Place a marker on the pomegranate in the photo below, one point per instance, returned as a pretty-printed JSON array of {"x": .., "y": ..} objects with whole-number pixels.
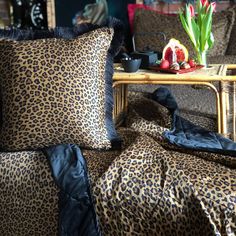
[{"x": 174, "y": 51}]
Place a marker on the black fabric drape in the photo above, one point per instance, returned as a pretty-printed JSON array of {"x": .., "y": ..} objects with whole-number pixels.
[
  {"x": 77, "y": 216},
  {"x": 185, "y": 134}
]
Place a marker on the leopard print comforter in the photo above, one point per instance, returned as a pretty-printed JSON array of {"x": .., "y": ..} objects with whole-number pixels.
[
  {"x": 148, "y": 188},
  {"x": 153, "y": 188}
]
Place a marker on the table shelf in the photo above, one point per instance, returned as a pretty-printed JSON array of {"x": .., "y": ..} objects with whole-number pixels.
[{"x": 225, "y": 92}]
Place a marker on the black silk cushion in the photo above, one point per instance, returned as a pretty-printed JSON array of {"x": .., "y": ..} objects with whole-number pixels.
[{"x": 57, "y": 91}]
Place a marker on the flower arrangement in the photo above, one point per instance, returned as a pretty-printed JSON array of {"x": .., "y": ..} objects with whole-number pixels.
[{"x": 198, "y": 26}]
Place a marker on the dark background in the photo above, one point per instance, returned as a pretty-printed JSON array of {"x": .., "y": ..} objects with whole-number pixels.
[{"x": 66, "y": 10}]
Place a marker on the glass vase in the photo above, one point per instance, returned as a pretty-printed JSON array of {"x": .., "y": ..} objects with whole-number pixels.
[{"x": 202, "y": 58}]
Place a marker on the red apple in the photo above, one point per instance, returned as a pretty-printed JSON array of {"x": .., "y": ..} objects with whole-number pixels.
[
  {"x": 164, "y": 64},
  {"x": 191, "y": 62}
]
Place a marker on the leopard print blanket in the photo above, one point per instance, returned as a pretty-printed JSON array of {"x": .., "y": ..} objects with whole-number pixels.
[{"x": 148, "y": 188}]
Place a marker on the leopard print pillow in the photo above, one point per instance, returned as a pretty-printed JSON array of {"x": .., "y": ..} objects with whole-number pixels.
[
  {"x": 148, "y": 21},
  {"x": 231, "y": 50},
  {"x": 54, "y": 91}
]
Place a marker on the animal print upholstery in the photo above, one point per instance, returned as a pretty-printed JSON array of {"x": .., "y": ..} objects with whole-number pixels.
[
  {"x": 54, "y": 91},
  {"x": 227, "y": 59},
  {"x": 143, "y": 119},
  {"x": 231, "y": 50},
  {"x": 148, "y": 188},
  {"x": 154, "y": 188},
  {"x": 147, "y": 21},
  {"x": 150, "y": 191},
  {"x": 29, "y": 196}
]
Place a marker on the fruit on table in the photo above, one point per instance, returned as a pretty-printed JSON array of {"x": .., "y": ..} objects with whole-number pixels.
[
  {"x": 174, "y": 51},
  {"x": 164, "y": 64},
  {"x": 192, "y": 63},
  {"x": 175, "y": 66},
  {"x": 184, "y": 65}
]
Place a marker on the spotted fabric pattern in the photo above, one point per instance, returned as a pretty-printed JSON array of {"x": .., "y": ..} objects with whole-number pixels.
[
  {"x": 154, "y": 188},
  {"x": 98, "y": 162},
  {"x": 143, "y": 119},
  {"x": 53, "y": 91},
  {"x": 29, "y": 196},
  {"x": 147, "y": 21},
  {"x": 231, "y": 50},
  {"x": 149, "y": 191},
  {"x": 227, "y": 59},
  {"x": 149, "y": 187}
]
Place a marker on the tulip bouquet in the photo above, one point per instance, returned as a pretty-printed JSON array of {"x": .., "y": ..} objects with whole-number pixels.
[{"x": 198, "y": 27}]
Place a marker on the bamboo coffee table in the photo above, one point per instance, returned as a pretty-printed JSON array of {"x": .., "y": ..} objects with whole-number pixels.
[{"x": 222, "y": 75}]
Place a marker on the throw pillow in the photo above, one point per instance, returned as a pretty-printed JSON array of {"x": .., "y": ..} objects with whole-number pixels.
[
  {"x": 131, "y": 12},
  {"x": 231, "y": 50},
  {"x": 67, "y": 33},
  {"x": 147, "y": 21},
  {"x": 55, "y": 91}
]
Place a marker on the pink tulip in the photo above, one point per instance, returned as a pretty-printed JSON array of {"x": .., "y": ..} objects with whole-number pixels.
[
  {"x": 191, "y": 9},
  {"x": 213, "y": 4},
  {"x": 205, "y": 3}
]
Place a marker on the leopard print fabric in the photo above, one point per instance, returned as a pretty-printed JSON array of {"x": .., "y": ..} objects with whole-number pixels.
[
  {"x": 231, "y": 50},
  {"x": 154, "y": 188},
  {"x": 53, "y": 91},
  {"x": 227, "y": 59},
  {"x": 147, "y": 21},
  {"x": 147, "y": 116},
  {"x": 99, "y": 161},
  {"x": 29, "y": 196},
  {"x": 148, "y": 190}
]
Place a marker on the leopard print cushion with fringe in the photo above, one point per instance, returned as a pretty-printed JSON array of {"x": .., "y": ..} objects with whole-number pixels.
[
  {"x": 54, "y": 91},
  {"x": 147, "y": 21}
]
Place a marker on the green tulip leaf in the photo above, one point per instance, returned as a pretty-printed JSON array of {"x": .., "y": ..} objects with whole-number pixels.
[{"x": 199, "y": 27}]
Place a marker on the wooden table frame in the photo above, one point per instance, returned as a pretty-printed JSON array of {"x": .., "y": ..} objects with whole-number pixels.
[
  {"x": 51, "y": 16},
  {"x": 122, "y": 79}
]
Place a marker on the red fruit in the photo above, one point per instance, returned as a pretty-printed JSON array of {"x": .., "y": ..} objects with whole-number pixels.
[
  {"x": 164, "y": 64},
  {"x": 174, "y": 51},
  {"x": 192, "y": 63}
]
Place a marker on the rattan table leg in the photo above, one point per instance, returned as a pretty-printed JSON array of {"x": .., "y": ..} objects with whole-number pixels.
[
  {"x": 120, "y": 94},
  {"x": 124, "y": 85},
  {"x": 223, "y": 112},
  {"x": 234, "y": 111}
]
